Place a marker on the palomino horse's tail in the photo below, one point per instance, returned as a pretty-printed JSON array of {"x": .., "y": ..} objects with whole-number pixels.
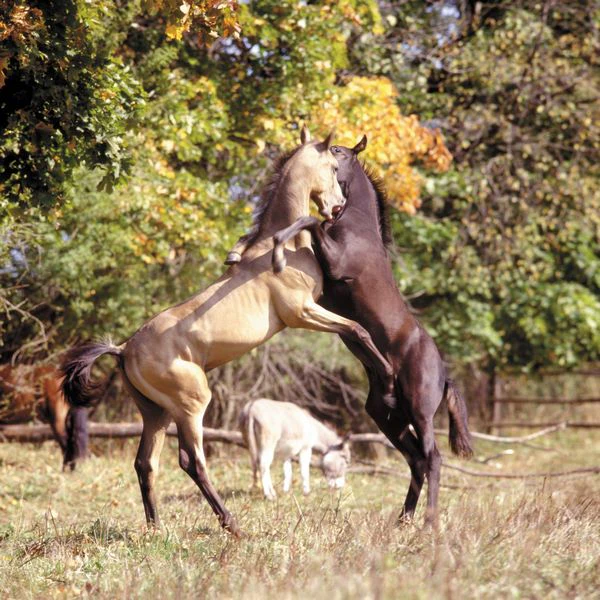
[
  {"x": 460, "y": 438},
  {"x": 80, "y": 392},
  {"x": 77, "y": 386}
]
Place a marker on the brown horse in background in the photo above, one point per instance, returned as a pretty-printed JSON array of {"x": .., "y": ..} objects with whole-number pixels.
[{"x": 33, "y": 392}]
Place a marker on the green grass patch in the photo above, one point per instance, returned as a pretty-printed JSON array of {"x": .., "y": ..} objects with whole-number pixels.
[{"x": 83, "y": 533}]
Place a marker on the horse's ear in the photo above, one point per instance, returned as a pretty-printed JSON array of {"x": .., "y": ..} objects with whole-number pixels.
[
  {"x": 361, "y": 145},
  {"x": 304, "y": 135},
  {"x": 329, "y": 139}
]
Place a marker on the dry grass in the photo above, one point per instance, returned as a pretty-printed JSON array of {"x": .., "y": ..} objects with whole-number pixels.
[{"x": 82, "y": 533}]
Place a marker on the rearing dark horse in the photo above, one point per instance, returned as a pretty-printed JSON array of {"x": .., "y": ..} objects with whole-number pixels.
[{"x": 359, "y": 285}]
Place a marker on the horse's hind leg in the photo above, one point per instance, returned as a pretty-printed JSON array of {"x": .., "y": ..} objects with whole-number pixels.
[
  {"x": 192, "y": 461},
  {"x": 416, "y": 461},
  {"x": 57, "y": 413},
  {"x": 433, "y": 464},
  {"x": 395, "y": 428},
  {"x": 315, "y": 317},
  {"x": 265, "y": 460},
  {"x": 156, "y": 420}
]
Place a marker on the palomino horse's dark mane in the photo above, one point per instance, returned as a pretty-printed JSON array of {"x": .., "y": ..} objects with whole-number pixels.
[
  {"x": 382, "y": 203},
  {"x": 267, "y": 194}
]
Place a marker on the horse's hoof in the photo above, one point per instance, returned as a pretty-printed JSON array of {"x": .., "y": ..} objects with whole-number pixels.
[
  {"x": 233, "y": 258},
  {"x": 404, "y": 519},
  {"x": 432, "y": 521},
  {"x": 235, "y": 531},
  {"x": 230, "y": 525}
]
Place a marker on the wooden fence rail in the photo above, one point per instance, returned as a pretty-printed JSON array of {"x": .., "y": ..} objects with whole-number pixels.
[
  {"x": 40, "y": 433},
  {"x": 511, "y": 400},
  {"x": 569, "y": 424}
]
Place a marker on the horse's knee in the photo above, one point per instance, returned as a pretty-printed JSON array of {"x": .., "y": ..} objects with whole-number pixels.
[
  {"x": 434, "y": 460},
  {"x": 143, "y": 467}
]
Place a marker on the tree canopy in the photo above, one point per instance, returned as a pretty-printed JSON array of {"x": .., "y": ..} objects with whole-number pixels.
[{"x": 136, "y": 137}]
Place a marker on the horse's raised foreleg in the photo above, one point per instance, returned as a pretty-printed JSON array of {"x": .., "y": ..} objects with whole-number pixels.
[
  {"x": 315, "y": 317},
  {"x": 192, "y": 461},
  {"x": 281, "y": 238},
  {"x": 330, "y": 253},
  {"x": 235, "y": 254}
]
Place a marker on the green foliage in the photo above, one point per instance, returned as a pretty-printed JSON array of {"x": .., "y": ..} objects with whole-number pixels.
[
  {"x": 63, "y": 102},
  {"x": 134, "y": 143},
  {"x": 514, "y": 228}
]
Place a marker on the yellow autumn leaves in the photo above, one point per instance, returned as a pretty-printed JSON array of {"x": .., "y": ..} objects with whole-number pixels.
[
  {"x": 396, "y": 142},
  {"x": 207, "y": 18},
  {"x": 364, "y": 105}
]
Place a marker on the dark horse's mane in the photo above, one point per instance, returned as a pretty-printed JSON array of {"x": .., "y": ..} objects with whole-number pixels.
[
  {"x": 382, "y": 203},
  {"x": 267, "y": 195}
]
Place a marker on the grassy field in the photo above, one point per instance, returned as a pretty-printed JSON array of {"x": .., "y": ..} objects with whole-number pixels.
[{"x": 65, "y": 535}]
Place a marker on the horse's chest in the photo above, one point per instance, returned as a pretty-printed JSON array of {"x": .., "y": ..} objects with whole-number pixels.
[{"x": 339, "y": 296}]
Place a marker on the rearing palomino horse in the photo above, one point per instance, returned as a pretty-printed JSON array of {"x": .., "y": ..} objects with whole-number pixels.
[{"x": 164, "y": 364}]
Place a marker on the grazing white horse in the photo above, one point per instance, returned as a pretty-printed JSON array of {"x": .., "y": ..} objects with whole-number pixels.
[{"x": 282, "y": 428}]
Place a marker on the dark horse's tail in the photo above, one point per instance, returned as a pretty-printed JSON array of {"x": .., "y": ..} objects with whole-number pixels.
[
  {"x": 80, "y": 392},
  {"x": 460, "y": 438}
]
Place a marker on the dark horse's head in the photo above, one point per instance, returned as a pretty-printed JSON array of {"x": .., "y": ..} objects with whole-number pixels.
[
  {"x": 347, "y": 159},
  {"x": 368, "y": 190}
]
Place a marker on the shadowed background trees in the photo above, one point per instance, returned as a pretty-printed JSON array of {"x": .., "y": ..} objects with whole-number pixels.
[{"x": 136, "y": 137}]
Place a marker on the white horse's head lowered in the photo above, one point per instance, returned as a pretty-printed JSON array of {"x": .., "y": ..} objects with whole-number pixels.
[{"x": 334, "y": 464}]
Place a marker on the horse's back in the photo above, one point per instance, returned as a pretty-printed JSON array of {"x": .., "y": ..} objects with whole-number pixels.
[{"x": 283, "y": 424}]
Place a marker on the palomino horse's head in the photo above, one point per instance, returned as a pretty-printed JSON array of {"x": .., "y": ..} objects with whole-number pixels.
[
  {"x": 319, "y": 167},
  {"x": 335, "y": 463},
  {"x": 347, "y": 159}
]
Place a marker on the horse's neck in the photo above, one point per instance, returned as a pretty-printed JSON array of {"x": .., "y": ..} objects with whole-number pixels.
[
  {"x": 325, "y": 438},
  {"x": 289, "y": 203},
  {"x": 362, "y": 198}
]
